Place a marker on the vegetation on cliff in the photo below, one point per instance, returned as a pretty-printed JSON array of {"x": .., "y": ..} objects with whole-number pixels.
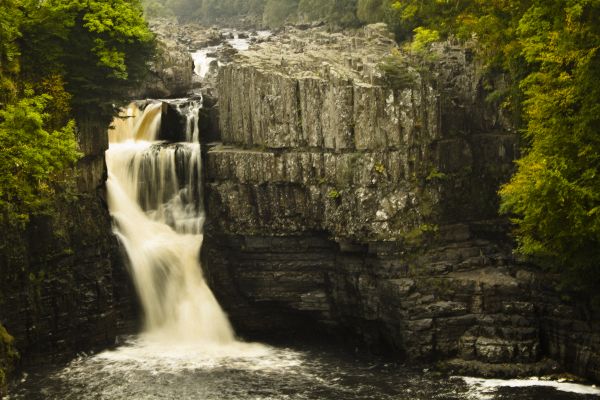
[
  {"x": 555, "y": 194},
  {"x": 59, "y": 59},
  {"x": 550, "y": 52}
]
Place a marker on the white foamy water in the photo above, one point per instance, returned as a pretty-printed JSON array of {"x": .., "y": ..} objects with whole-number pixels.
[
  {"x": 483, "y": 389},
  {"x": 202, "y": 60},
  {"x": 136, "y": 124},
  {"x": 146, "y": 353},
  {"x": 153, "y": 196}
]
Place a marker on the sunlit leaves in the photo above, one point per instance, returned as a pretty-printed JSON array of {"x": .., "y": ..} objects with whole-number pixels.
[
  {"x": 56, "y": 55},
  {"x": 32, "y": 159},
  {"x": 100, "y": 47},
  {"x": 555, "y": 193},
  {"x": 423, "y": 37}
]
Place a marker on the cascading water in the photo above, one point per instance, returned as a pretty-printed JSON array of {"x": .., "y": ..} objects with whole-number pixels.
[{"x": 154, "y": 199}]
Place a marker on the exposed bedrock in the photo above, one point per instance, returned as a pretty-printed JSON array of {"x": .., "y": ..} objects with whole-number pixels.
[
  {"x": 64, "y": 287},
  {"x": 338, "y": 202},
  {"x": 172, "y": 69}
]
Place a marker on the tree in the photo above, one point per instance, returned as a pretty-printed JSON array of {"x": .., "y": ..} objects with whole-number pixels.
[
  {"x": 371, "y": 10},
  {"x": 278, "y": 12},
  {"x": 10, "y": 19},
  {"x": 58, "y": 59},
  {"x": 33, "y": 159},
  {"x": 549, "y": 49},
  {"x": 340, "y": 13},
  {"x": 99, "y": 47},
  {"x": 555, "y": 194}
]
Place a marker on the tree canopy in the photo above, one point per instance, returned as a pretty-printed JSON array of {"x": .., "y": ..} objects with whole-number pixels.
[
  {"x": 59, "y": 59},
  {"x": 273, "y": 13},
  {"x": 550, "y": 51}
]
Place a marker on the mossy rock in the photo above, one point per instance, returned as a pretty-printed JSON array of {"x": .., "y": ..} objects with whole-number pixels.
[{"x": 8, "y": 356}]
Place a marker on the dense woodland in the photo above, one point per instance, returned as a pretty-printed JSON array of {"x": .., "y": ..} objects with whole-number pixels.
[
  {"x": 59, "y": 59},
  {"x": 549, "y": 49}
]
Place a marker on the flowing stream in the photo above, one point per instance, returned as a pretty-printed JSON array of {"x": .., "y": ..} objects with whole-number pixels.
[{"x": 154, "y": 198}]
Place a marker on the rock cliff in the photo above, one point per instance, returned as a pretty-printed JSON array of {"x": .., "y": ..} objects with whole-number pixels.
[
  {"x": 172, "y": 69},
  {"x": 339, "y": 201},
  {"x": 64, "y": 288}
]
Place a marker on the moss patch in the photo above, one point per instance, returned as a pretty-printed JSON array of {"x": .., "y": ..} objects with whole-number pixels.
[{"x": 8, "y": 356}]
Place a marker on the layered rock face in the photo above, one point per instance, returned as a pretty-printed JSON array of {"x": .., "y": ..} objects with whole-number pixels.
[
  {"x": 64, "y": 287},
  {"x": 172, "y": 69},
  {"x": 337, "y": 200}
]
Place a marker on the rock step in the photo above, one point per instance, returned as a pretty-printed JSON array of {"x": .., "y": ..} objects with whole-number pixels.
[{"x": 495, "y": 350}]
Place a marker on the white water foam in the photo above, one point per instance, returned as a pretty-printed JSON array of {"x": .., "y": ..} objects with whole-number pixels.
[
  {"x": 153, "y": 197},
  {"x": 484, "y": 389},
  {"x": 204, "y": 57}
]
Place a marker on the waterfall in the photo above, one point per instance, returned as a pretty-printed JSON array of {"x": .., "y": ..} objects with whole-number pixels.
[
  {"x": 136, "y": 124},
  {"x": 154, "y": 197},
  {"x": 192, "y": 130}
]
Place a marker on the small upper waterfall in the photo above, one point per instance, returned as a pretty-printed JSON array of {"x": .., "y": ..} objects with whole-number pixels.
[{"x": 154, "y": 198}]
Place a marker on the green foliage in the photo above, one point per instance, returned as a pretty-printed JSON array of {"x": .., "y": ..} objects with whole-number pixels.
[
  {"x": 333, "y": 194},
  {"x": 56, "y": 57},
  {"x": 423, "y": 38},
  {"x": 279, "y": 12},
  {"x": 157, "y": 9},
  {"x": 99, "y": 47},
  {"x": 33, "y": 160},
  {"x": 434, "y": 174},
  {"x": 555, "y": 194},
  {"x": 8, "y": 355},
  {"x": 396, "y": 72},
  {"x": 335, "y": 12},
  {"x": 9, "y": 50},
  {"x": 272, "y": 13},
  {"x": 549, "y": 49},
  {"x": 371, "y": 11},
  {"x": 420, "y": 234},
  {"x": 204, "y": 10}
]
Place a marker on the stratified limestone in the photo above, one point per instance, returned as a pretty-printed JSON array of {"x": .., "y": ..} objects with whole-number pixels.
[
  {"x": 64, "y": 287},
  {"x": 339, "y": 200},
  {"x": 309, "y": 120}
]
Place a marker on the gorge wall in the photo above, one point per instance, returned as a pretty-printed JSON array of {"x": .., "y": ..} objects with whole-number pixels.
[
  {"x": 338, "y": 201},
  {"x": 64, "y": 287}
]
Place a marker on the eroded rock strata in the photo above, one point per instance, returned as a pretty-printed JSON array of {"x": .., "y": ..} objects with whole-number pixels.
[
  {"x": 64, "y": 288},
  {"x": 171, "y": 71},
  {"x": 338, "y": 201}
]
